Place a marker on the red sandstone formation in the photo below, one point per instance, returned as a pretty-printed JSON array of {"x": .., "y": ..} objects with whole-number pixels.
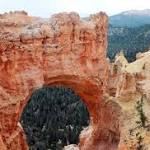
[{"x": 63, "y": 50}]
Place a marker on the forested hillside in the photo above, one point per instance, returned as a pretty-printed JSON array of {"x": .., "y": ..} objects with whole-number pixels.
[
  {"x": 130, "y": 40},
  {"x": 54, "y": 117},
  {"x": 131, "y": 18}
]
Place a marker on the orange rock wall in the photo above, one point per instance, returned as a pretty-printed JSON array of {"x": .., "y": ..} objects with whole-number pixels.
[{"x": 62, "y": 50}]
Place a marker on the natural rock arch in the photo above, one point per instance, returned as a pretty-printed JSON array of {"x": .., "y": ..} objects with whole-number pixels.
[{"x": 63, "y": 50}]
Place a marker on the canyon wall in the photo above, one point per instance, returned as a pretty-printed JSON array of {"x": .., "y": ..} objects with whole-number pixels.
[
  {"x": 66, "y": 50},
  {"x": 129, "y": 86},
  {"x": 62, "y": 50}
]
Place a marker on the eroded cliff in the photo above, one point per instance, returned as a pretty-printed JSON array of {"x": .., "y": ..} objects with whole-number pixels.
[
  {"x": 130, "y": 83},
  {"x": 66, "y": 50},
  {"x": 63, "y": 50}
]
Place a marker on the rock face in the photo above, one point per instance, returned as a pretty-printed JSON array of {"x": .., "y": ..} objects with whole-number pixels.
[
  {"x": 65, "y": 50},
  {"x": 130, "y": 83}
]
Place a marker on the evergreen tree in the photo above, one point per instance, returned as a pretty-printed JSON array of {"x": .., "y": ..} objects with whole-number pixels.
[{"x": 53, "y": 118}]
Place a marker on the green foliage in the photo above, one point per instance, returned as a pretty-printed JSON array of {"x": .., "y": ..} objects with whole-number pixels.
[
  {"x": 131, "y": 40},
  {"x": 142, "y": 118},
  {"x": 142, "y": 122},
  {"x": 54, "y": 117},
  {"x": 141, "y": 125}
]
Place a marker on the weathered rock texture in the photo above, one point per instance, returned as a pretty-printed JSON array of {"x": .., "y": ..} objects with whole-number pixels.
[
  {"x": 130, "y": 82},
  {"x": 62, "y": 50},
  {"x": 65, "y": 50}
]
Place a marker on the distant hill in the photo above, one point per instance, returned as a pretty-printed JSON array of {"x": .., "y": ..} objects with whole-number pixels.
[
  {"x": 128, "y": 31},
  {"x": 132, "y": 18},
  {"x": 130, "y": 40}
]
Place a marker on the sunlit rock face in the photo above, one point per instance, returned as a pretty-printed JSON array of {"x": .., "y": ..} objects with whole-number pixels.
[
  {"x": 131, "y": 90},
  {"x": 63, "y": 50}
]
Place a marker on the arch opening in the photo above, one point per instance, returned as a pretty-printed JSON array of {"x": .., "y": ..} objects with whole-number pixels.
[{"x": 53, "y": 118}]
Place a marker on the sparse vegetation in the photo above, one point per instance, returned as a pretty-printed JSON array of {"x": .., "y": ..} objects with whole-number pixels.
[
  {"x": 142, "y": 125},
  {"x": 142, "y": 117},
  {"x": 140, "y": 145}
]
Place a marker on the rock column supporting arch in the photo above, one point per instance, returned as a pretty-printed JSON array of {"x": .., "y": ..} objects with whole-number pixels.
[{"x": 61, "y": 50}]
